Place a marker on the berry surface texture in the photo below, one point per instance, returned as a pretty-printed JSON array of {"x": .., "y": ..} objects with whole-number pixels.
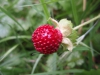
[{"x": 46, "y": 39}]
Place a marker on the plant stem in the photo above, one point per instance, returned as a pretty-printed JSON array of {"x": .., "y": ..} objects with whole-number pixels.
[
  {"x": 45, "y": 9},
  {"x": 85, "y": 23},
  {"x": 74, "y": 11}
]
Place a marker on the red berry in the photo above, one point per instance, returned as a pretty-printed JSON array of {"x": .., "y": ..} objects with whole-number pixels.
[{"x": 46, "y": 39}]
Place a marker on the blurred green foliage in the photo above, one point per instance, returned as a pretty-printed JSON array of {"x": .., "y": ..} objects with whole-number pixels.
[{"x": 18, "y": 20}]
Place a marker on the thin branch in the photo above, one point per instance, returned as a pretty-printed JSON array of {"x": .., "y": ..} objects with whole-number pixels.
[{"x": 85, "y": 23}]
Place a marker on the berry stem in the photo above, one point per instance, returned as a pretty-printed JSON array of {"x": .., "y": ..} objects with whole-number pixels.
[{"x": 85, "y": 23}]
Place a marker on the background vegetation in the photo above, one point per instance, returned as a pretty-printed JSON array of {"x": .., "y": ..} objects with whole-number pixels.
[{"x": 18, "y": 20}]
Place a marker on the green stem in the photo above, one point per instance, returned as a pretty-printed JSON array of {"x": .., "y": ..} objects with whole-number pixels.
[
  {"x": 74, "y": 11},
  {"x": 85, "y": 23},
  {"x": 37, "y": 61},
  {"x": 45, "y": 9}
]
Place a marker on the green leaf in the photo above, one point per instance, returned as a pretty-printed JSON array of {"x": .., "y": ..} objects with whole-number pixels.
[
  {"x": 52, "y": 62},
  {"x": 60, "y": 72},
  {"x": 4, "y": 30},
  {"x": 81, "y": 48},
  {"x": 73, "y": 36},
  {"x": 91, "y": 72}
]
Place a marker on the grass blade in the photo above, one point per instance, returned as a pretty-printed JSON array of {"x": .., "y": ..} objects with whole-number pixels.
[
  {"x": 74, "y": 11},
  {"x": 35, "y": 65},
  {"x": 14, "y": 37},
  {"x": 8, "y": 52},
  {"x": 8, "y": 14},
  {"x": 60, "y": 72},
  {"x": 45, "y": 9}
]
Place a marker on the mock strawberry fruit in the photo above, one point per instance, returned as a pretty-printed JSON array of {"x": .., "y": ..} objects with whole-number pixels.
[{"x": 46, "y": 39}]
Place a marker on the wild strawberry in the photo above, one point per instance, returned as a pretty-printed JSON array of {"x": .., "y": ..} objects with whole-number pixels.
[{"x": 46, "y": 39}]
